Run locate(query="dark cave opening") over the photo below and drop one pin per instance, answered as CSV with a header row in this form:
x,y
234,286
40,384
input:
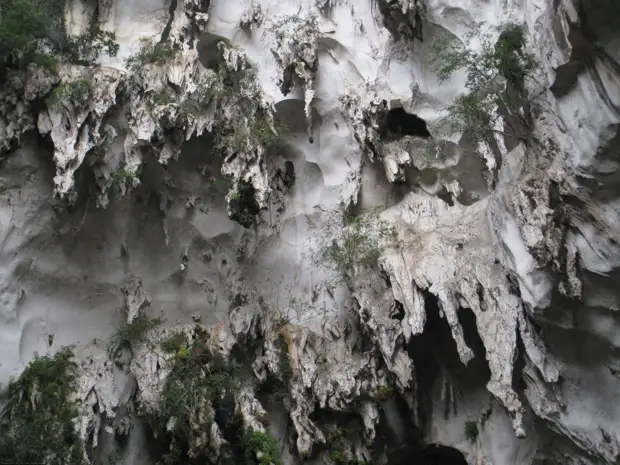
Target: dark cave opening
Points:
x,y
432,454
399,123
435,356
243,205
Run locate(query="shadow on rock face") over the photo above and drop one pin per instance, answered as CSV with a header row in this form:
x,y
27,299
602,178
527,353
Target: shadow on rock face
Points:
x,y
432,454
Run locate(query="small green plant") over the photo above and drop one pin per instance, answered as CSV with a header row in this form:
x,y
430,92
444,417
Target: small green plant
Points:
x,y
24,24
174,343
484,66
124,177
338,453
78,92
198,380
136,331
254,133
262,446
384,393
38,424
27,24
152,53
471,431
48,62
85,48
359,242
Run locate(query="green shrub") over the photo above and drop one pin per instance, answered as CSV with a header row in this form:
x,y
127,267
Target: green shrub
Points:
x,y
338,451
136,331
384,393
262,447
198,378
38,423
174,343
78,92
23,23
86,47
471,431
241,137
124,177
359,242
152,53
504,57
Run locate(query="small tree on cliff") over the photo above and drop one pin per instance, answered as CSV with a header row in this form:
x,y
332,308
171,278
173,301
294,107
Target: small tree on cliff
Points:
x,y
495,72
27,25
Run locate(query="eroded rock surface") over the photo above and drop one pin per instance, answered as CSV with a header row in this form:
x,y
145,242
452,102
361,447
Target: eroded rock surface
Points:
x,y
203,184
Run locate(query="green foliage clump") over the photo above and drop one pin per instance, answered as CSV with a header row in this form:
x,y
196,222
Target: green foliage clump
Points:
x,y
24,23
86,47
175,343
484,67
262,446
471,431
359,242
152,53
38,423
124,177
78,92
136,331
254,132
198,379
338,451
384,393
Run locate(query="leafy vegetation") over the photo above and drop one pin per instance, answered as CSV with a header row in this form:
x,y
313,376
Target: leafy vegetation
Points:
x,y
38,423
175,344
125,178
152,53
471,431
485,66
198,381
262,446
86,47
136,331
359,243
24,24
384,393
251,133
78,92
338,453
27,25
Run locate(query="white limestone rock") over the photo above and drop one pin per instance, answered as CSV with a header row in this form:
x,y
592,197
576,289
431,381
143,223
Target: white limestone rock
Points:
x,y
533,253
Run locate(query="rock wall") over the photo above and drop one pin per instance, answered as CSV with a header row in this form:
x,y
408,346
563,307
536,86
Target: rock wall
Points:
x,y
203,188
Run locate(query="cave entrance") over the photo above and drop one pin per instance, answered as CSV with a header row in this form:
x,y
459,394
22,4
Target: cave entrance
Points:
x,y
432,454
399,123
435,454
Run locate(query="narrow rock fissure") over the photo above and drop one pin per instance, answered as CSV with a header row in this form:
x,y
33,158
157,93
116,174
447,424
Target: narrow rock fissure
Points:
x,y
166,32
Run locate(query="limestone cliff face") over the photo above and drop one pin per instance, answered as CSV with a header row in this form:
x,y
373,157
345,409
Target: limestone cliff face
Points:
x,y
204,186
